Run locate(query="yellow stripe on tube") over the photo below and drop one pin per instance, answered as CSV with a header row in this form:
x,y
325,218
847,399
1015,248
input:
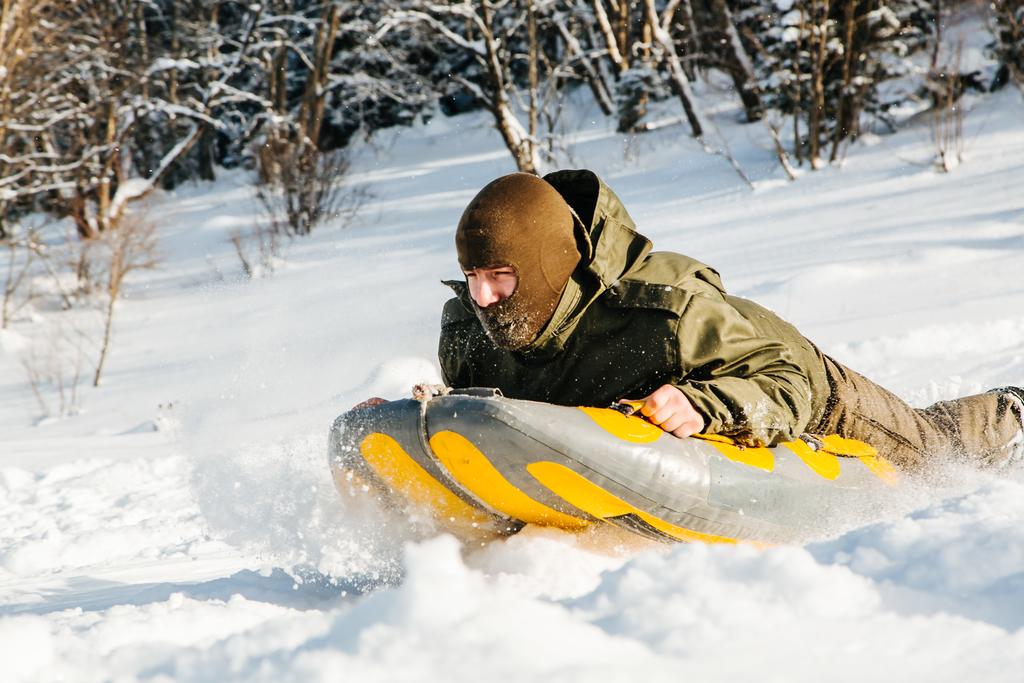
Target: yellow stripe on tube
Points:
x,y
632,429
471,468
591,498
403,475
833,443
821,463
761,458
866,453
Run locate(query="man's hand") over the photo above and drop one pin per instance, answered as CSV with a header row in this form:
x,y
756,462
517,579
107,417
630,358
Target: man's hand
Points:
x,y
669,408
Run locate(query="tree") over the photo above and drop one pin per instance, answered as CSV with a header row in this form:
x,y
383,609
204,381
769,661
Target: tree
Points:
x,y
666,50
25,166
132,247
727,49
508,56
822,62
97,86
1008,44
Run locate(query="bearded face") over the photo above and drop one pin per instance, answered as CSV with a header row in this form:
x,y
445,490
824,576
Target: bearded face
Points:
x,y
510,324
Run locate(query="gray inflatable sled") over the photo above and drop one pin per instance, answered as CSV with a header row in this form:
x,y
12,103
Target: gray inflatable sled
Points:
x,y
483,465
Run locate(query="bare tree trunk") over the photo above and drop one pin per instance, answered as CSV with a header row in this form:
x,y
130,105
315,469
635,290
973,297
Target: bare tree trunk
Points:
x,y
108,323
531,30
845,113
680,84
140,19
9,287
591,69
278,80
818,105
617,45
610,39
78,209
172,77
623,33
206,154
103,191
647,37
523,147
314,98
798,145
737,61
14,278
695,45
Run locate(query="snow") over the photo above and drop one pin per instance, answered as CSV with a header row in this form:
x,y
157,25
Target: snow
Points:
x,y
183,525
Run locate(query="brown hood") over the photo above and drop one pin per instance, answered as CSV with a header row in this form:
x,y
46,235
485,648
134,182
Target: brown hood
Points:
x,y
520,221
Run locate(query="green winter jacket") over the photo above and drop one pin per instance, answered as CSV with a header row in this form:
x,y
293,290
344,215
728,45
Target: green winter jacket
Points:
x,y
630,321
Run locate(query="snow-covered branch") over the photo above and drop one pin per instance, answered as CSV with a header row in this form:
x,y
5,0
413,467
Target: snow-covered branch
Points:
x,y
399,19
136,188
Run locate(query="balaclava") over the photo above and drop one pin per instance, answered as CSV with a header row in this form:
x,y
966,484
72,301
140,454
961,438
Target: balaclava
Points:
x,y
519,220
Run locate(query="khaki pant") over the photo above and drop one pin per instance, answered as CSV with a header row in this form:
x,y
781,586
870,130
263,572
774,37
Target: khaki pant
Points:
x,y
984,429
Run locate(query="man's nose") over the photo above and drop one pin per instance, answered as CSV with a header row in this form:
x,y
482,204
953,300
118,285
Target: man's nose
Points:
x,y
487,294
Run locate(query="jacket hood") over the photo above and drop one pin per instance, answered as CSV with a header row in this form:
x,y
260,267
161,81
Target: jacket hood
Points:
x,y
613,249
611,246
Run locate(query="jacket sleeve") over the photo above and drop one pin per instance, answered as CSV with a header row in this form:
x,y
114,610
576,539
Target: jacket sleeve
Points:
x,y
744,384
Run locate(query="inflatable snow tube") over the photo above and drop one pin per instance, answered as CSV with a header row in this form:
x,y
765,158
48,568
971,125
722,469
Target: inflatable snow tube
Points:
x,y
483,465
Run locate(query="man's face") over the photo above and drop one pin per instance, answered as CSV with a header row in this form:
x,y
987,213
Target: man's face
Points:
x,y
488,286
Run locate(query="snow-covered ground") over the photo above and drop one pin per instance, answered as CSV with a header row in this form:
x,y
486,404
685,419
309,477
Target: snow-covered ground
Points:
x,y
183,525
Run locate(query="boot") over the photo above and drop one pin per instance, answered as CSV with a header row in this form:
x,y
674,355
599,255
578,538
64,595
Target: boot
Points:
x,y
1016,397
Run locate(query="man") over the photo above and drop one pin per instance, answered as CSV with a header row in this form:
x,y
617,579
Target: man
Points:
x,y
564,302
